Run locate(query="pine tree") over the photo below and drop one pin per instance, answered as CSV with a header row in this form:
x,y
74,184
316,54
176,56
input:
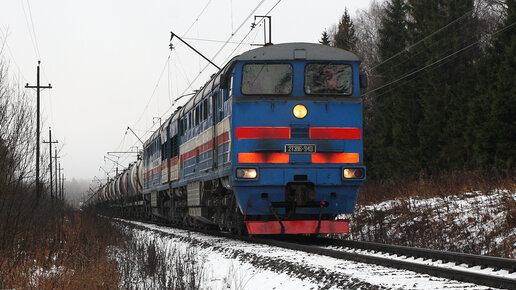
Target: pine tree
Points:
x,y
385,153
492,113
441,91
345,36
325,38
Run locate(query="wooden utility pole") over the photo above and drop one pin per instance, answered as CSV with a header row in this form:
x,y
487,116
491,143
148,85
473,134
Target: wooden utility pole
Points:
x,y
61,180
38,87
50,142
62,187
57,176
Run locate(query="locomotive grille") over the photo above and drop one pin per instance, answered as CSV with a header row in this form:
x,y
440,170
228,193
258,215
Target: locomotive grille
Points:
x,y
299,132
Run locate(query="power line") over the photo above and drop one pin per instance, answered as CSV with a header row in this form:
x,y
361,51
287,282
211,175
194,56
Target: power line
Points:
x,y
182,72
431,45
412,78
190,84
231,10
249,32
438,61
11,53
160,77
212,40
153,91
217,53
421,40
32,37
225,43
168,79
33,29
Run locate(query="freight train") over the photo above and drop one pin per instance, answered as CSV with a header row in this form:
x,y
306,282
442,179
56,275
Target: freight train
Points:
x,y
271,144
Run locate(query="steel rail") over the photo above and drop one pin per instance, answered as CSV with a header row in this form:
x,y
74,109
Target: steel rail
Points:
x,y
454,274
496,263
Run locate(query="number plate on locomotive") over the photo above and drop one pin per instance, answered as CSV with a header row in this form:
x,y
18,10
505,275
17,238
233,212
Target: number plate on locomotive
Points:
x,y
300,148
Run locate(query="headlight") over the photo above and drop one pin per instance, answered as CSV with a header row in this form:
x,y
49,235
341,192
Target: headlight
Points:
x,y
299,111
350,173
246,173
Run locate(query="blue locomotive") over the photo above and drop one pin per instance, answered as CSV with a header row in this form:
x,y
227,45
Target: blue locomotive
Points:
x,y
271,144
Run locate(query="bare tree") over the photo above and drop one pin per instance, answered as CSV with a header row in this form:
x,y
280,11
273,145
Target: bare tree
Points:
x,y
16,161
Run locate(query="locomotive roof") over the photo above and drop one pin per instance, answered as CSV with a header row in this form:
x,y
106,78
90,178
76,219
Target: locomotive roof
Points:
x,y
297,50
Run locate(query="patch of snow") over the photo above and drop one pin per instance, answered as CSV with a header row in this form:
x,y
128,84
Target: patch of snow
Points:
x,y
232,264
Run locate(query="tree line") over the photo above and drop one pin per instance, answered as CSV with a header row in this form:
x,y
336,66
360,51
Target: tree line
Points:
x,y
442,92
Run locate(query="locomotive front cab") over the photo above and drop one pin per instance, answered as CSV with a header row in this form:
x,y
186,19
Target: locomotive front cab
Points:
x,y
297,138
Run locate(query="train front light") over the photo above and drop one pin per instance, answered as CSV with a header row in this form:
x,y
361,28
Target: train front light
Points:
x,y
246,173
353,173
299,111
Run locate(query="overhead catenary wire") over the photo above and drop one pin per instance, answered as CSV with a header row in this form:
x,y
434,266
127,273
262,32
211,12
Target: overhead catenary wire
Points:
x,y
438,61
182,72
217,53
212,40
249,16
159,80
428,46
411,78
153,91
168,79
422,40
249,32
231,12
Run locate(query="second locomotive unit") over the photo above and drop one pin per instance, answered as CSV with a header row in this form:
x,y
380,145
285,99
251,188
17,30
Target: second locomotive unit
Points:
x,y
272,144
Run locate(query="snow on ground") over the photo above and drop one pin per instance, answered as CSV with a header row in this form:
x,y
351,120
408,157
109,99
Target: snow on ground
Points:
x,y
474,222
231,264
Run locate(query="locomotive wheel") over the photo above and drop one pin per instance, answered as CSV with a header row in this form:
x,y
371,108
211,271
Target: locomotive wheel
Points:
x,y
235,219
241,229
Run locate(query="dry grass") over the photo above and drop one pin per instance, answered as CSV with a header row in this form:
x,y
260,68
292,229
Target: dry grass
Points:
x,y
436,185
80,250
150,264
62,249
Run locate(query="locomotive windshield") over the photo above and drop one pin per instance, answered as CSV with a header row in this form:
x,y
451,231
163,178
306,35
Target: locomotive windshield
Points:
x,y
328,79
267,79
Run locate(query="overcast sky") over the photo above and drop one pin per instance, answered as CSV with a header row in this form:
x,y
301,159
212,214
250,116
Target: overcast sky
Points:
x,y
110,65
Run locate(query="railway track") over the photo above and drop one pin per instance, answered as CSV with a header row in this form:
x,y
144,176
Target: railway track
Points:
x,y
426,261
481,270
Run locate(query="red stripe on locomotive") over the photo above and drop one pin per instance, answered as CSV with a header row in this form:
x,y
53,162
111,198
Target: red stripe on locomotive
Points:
x,y
335,133
262,132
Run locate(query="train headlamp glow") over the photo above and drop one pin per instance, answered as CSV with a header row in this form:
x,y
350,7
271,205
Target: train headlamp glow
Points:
x,y
246,173
353,173
299,111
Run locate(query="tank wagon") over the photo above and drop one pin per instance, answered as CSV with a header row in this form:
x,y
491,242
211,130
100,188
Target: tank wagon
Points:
x,y
271,144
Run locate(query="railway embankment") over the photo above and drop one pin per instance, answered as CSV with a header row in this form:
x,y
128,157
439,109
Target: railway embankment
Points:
x,y
469,212
482,223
